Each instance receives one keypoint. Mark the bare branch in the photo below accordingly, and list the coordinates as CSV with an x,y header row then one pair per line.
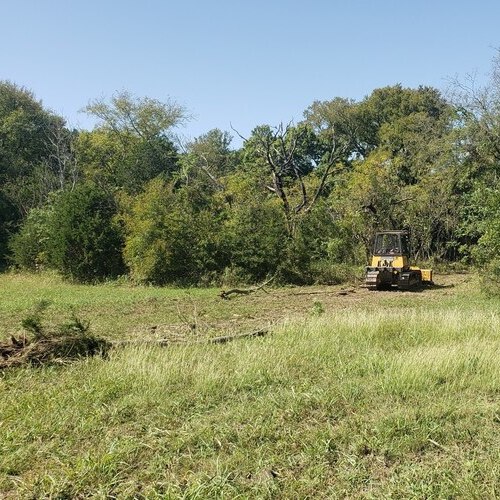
x,y
205,168
237,133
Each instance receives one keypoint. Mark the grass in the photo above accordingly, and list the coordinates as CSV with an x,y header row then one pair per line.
x,y
363,396
114,310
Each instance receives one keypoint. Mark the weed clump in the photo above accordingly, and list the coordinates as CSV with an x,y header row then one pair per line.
x,y
42,344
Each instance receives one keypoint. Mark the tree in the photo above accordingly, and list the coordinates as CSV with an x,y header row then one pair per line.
x,y
208,158
144,117
30,245
479,153
479,108
23,131
113,161
173,235
287,156
399,155
346,121
487,251
143,131
35,157
32,141
253,232
401,120
8,217
85,240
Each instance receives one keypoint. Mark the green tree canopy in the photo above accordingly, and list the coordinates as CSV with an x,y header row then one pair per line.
x,y
35,157
134,140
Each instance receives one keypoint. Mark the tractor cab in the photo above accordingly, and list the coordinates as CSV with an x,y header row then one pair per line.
x,y
391,249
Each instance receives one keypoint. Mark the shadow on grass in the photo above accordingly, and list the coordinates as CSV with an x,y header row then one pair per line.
x,y
415,289
436,286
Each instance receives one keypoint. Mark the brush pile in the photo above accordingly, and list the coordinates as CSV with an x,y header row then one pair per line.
x,y
42,345
53,349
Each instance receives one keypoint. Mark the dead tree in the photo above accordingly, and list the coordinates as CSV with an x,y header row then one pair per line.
x,y
62,162
279,148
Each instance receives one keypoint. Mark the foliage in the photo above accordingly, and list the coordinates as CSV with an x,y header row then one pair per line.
x,y
142,116
8,217
171,236
286,157
125,161
30,245
479,140
487,251
33,321
85,241
34,146
301,201
23,127
343,119
256,239
400,170
134,141
210,156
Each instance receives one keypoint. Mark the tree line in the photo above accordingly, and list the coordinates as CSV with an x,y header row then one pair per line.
x,y
299,201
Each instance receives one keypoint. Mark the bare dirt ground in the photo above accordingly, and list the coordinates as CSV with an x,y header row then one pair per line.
x,y
130,313
194,317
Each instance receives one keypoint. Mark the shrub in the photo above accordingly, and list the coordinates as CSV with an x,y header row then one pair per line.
x,y
29,245
9,217
256,237
170,239
85,241
487,251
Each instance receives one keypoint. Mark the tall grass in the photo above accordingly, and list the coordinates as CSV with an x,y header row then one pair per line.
x,y
370,404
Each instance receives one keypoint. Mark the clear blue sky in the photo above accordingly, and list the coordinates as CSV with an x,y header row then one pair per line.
x,y
239,62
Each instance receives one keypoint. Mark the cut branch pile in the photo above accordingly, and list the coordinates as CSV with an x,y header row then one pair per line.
x,y
72,340
60,349
57,348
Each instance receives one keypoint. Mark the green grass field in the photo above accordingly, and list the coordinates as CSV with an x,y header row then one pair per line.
x,y
358,395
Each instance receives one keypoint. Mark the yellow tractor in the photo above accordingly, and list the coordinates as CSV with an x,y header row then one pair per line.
x,y
390,265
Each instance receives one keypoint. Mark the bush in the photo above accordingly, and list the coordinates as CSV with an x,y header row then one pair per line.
x,y
85,241
29,245
325,272
256,238
323,250
170,239
9,217
486,253
491,278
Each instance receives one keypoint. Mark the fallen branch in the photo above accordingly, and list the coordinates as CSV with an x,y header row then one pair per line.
x,y
214,340
226,295
323,292
229,338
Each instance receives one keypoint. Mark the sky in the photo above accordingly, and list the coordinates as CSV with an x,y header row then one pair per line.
x,y
239,63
